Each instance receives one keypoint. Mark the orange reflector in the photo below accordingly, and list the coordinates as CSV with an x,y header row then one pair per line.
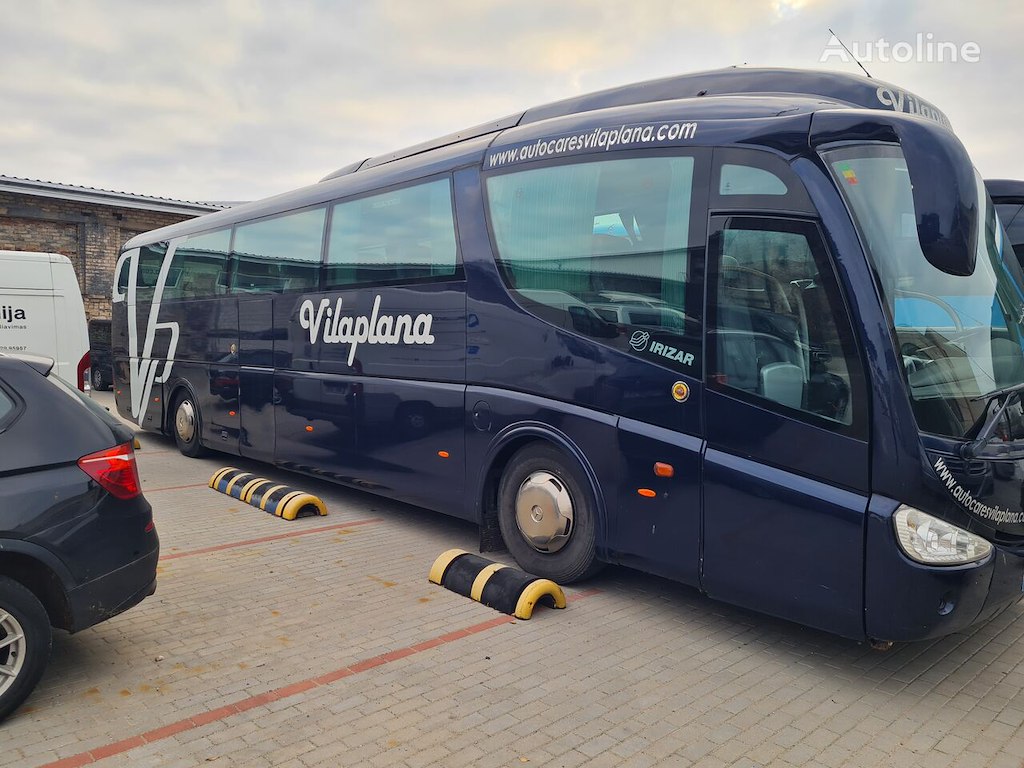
x,y
443,454
646,492
662,469
309,428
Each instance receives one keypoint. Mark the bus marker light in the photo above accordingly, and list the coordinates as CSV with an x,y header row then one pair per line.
x,y
443,454
680,391
309,427
232,413
495,585
280,500
647,493
661,469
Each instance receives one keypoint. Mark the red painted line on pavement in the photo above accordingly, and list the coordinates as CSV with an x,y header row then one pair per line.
x,y
211,716
263,539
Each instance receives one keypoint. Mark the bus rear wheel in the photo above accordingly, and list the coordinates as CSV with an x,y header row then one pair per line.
x,y
546,513
187,424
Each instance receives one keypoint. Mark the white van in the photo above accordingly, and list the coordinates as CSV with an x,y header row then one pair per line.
x,y
41,311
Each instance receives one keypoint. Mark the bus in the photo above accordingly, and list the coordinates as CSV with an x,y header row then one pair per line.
x,y
755,331
1008,195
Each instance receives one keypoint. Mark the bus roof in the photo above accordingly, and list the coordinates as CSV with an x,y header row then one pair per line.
x,y
849,89
739,98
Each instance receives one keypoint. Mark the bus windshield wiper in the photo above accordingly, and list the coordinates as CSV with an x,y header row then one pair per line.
x,y
1009,395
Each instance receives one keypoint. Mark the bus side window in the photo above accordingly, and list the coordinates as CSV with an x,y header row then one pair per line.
x,y
779,331
603,248
200,266
151,259
402,235
279,254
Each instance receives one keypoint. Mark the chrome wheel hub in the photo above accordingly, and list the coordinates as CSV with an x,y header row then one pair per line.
x,y
12,650
544,512
185,421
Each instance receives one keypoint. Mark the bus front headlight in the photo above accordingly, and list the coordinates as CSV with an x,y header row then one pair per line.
x,y
932,541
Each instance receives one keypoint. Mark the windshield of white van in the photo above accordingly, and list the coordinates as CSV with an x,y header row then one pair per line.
x,y
959,337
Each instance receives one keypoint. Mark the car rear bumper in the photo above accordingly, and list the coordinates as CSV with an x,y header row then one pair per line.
x,y
117,591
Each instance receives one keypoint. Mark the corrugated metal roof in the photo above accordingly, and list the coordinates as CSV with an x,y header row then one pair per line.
x,y
105,196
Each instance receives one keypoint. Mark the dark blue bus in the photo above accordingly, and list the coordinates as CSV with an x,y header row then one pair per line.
x,y
757,331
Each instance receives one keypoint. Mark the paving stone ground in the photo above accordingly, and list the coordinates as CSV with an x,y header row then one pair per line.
x,y
320,642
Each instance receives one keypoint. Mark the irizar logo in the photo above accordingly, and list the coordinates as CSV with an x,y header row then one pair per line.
x,y
640,339
9,314
678,355
361,329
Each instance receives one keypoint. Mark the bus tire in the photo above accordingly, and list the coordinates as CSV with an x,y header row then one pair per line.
x,y
547,514
22,616
186,423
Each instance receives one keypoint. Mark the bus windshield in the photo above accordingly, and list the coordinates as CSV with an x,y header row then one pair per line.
x,y
959,337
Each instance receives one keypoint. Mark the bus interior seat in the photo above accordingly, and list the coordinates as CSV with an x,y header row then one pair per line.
x,y
783,383
757,347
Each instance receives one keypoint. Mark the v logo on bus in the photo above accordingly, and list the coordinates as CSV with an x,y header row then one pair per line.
x,y
142,368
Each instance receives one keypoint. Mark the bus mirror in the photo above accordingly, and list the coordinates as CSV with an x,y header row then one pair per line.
x,y
946,205
945,196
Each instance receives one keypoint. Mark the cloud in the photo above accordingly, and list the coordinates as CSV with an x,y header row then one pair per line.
x,y
241,99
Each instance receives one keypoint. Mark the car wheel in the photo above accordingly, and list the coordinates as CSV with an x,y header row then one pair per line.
x,y
187,424
25,638
98,383
546,513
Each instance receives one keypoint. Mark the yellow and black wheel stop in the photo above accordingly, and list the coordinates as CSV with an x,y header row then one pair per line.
x,y
280,500
497,586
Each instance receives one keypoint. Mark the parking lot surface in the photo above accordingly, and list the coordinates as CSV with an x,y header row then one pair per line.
x,y
320,642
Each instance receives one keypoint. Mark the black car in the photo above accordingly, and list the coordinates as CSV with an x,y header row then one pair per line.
x,y
101,361
77,539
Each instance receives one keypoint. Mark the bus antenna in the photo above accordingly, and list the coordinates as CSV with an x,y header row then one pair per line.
x,y
848,51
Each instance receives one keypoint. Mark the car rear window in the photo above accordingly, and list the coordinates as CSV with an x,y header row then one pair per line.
x,y
7,408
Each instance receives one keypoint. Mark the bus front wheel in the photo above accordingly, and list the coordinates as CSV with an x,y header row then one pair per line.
x,y
187,423
546,512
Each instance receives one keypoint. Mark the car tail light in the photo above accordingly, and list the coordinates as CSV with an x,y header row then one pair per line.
x,y
114,469
83,370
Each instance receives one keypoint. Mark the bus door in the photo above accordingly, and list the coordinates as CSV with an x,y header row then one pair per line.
x,y
255,361
785,471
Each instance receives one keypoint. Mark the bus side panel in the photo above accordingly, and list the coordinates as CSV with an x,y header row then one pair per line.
x,y
259,330
119,357
402,439
388,415
656,522
783,544
207,357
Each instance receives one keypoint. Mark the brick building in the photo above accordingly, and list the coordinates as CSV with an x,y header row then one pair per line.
x,y
87,225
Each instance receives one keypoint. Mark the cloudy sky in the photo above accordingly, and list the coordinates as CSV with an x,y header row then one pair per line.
x,y
240,99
